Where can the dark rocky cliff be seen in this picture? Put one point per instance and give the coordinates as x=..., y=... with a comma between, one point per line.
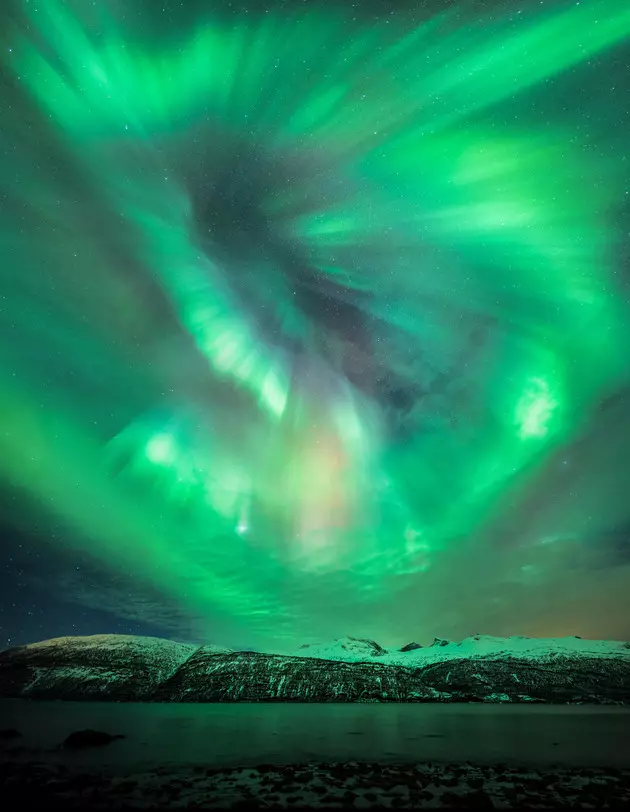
x=142, y=669
x=558, y=679
x=253, y=677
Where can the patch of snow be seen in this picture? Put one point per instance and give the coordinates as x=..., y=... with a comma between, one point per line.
x=209, y=649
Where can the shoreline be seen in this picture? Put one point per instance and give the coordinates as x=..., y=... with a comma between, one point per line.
x=314, y=785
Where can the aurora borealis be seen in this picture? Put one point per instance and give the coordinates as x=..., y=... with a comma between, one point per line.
x=315, y=319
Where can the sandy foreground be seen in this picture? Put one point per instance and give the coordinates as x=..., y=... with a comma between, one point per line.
x=348, y=785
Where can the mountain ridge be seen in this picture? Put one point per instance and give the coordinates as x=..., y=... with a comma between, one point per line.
x=478, y=669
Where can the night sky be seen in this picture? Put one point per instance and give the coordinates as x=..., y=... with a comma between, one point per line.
x=314, y=320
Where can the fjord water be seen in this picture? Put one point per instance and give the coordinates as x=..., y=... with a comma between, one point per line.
x=282, y=733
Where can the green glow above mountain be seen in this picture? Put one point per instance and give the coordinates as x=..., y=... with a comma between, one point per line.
x=318, y=321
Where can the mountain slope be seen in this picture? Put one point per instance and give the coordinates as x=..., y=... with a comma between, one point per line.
x=251, y=677
x=125, y=668
x=101, y=666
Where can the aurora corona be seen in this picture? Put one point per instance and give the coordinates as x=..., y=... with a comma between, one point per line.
x=315, y=321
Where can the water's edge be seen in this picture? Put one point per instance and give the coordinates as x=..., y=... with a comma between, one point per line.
x=228, y=734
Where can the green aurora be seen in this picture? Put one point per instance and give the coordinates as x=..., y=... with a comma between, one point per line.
x=317, y=321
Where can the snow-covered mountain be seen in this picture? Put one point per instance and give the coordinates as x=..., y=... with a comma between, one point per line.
x=351, y=649
x=96, y=665
x=480, y=668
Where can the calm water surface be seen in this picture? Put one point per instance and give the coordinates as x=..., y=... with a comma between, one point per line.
x=246, y=734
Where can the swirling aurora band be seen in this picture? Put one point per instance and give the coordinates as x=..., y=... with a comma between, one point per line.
x=314, y=320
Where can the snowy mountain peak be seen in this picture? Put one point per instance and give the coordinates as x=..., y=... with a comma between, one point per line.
x=350, y=649
x=410, y=647
x=343, y=648
x=440, y=641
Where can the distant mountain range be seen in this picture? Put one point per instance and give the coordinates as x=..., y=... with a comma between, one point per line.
x=479, y=669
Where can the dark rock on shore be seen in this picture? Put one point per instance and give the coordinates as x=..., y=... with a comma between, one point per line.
x=90, y=738
x=9, y=733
